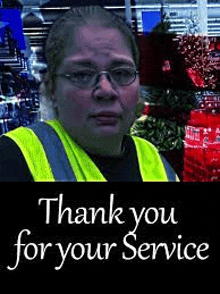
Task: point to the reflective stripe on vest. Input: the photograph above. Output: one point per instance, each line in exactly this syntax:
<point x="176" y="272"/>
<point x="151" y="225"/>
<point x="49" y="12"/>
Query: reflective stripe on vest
<point x="170" y="172"/>
<point x="55" y="152"/>
<point x="52" y="155"/>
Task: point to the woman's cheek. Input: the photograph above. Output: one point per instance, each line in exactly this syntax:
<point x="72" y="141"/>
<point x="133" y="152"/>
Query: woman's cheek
<point x="80" y="98"/>
<point x="130" y="98"/>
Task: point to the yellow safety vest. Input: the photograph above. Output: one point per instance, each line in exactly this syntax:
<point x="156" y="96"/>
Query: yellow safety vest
<point x="52" y="155"/>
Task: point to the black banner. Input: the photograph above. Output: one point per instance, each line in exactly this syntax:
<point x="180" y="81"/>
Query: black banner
<point x="78" y="237"/>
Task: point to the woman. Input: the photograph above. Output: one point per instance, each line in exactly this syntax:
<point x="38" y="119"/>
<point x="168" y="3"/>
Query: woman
<point x="93" y="83"/>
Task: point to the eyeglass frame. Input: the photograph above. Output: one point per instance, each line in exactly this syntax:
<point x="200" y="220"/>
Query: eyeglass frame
<point x="97" y="75"/>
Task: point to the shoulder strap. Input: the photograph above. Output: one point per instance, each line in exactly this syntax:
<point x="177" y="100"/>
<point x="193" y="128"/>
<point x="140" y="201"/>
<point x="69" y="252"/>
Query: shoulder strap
<point x="172" y="176"/>
<point x="152" y="166"/>
<point x="55" y="152"/>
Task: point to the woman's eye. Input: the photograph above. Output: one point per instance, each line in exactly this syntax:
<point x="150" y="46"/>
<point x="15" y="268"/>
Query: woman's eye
<point x="82" y="75"/>
<point x="122" y="72"/>
<point x="118" y="72"/>
<point x="122" y="75"/>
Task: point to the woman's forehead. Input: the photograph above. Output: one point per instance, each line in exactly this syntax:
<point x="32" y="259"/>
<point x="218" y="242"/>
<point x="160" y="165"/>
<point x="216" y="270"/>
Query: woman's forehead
<point x="97" y="43"/>
<point x="114" y="60"/>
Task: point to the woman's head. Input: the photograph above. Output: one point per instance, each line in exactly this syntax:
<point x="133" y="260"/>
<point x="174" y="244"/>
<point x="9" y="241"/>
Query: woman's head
<point x="90" y="43"/>
<point x="73" y="20"/>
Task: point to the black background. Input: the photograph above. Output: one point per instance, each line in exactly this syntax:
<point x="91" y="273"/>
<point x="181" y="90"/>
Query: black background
<point x="198" y="222"/>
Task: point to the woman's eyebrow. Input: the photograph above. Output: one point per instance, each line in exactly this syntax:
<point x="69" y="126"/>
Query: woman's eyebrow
<point x="89" y="63"/>
<point x="117" y="63"/>
<point x="86" y="63"/>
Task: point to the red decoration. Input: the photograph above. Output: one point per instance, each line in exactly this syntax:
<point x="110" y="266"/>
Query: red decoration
<point x="202" y="59"/>
<point x="196" y="77"/>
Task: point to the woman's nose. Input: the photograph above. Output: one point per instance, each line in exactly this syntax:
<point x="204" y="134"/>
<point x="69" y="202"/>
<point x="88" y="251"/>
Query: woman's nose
<point x="104" y="89"/>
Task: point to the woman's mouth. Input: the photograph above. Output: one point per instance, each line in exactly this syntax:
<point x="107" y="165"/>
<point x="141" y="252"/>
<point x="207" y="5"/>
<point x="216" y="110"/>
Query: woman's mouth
<point x="107" y="118"/>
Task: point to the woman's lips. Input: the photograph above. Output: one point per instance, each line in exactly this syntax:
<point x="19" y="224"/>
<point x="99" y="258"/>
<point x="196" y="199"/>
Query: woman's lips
<point x="107" y="118"/>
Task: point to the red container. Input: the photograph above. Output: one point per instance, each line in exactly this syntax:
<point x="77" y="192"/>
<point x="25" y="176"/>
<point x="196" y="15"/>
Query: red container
<point x="202" y="147"/>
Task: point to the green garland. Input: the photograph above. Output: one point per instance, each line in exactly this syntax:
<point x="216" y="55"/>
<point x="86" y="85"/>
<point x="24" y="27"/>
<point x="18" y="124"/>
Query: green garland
<point x="175" y="99"/>
<point x="166" y="135"/>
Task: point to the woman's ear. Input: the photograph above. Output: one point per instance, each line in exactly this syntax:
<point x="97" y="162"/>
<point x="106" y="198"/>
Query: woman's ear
<point x="53" y="97"/>
<point x="49" y="86"/>
<point x="48" y="92"/>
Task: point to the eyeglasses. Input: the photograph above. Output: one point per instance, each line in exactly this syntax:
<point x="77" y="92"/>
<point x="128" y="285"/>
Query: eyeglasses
<point x="89" y="78"/>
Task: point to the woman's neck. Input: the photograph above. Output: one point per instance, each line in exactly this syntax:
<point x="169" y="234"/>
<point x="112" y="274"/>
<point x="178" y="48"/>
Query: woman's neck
<point x="111" y="148"/>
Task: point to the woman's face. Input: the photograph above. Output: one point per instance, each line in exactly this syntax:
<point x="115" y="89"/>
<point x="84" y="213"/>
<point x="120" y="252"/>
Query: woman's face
<point x="105" y="110"/>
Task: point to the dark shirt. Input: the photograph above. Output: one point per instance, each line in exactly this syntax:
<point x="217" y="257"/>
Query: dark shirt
<point x="120" y="169"/>
<point x="13" y="167"/>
